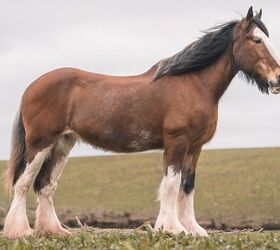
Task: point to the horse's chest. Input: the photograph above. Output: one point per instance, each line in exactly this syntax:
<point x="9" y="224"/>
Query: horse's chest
<point x="209" y="131"/>
<point x="205" y="131"/>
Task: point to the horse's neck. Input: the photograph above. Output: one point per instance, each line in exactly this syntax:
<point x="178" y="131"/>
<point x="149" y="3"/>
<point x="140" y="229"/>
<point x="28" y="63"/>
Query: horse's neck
<point x="218" y="75"/>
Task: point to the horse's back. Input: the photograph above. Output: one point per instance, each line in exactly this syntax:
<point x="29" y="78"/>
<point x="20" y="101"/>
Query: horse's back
<point x="89" y="104"/>
<point x="55" y="88"/>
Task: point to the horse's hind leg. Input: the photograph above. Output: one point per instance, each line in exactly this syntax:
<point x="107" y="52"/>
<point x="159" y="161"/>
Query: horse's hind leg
<point x="16" y="222"/>
<point x="45" y="183"/>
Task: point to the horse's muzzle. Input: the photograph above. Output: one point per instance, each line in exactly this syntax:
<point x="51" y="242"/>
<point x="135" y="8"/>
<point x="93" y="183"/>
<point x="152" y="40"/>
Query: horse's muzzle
<point x="274" y="86"/>
<point x="274" y="89"/>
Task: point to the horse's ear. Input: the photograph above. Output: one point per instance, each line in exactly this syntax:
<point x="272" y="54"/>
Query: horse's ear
<point x="250" y="14"/>
<point x="259" y="15"/>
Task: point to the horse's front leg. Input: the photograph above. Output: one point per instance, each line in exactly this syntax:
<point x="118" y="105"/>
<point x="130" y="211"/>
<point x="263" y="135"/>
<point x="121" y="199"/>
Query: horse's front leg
<point x="175" y="150"/>
<point x="185" y="200"/>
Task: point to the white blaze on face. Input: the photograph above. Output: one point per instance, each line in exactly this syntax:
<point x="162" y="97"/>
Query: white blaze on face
<point x="260" y="34"/>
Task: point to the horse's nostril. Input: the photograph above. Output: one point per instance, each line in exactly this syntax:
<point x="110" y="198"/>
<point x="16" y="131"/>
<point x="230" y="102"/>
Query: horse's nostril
<point x="275" y="84"/>
<point x="271" y="83"/>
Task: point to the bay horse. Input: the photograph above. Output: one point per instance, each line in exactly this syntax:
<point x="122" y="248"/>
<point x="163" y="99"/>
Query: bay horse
<point x="173" y="106"/>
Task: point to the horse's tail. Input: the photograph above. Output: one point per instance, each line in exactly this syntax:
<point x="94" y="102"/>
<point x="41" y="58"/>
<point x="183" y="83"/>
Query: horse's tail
<point x="16" y="164"/>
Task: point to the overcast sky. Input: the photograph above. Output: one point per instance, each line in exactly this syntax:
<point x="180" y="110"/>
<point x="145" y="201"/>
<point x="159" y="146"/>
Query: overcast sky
<point x="123" y="38"/>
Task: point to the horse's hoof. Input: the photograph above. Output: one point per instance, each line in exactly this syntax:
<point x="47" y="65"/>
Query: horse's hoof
<point x="16" y="234"/>
<point x="196" y="230"/>
<point x="58" y="231"/>
<point x="174" y="228"/>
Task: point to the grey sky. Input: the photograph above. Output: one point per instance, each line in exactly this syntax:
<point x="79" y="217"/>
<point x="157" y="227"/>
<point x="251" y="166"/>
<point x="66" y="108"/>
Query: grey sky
<point x="122" y="38"/>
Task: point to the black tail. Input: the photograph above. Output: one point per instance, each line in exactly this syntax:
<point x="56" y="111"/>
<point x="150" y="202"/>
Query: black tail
<point x="16" y="164"/>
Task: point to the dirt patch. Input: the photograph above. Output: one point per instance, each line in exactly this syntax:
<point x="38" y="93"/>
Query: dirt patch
<point x="103" y="219"/>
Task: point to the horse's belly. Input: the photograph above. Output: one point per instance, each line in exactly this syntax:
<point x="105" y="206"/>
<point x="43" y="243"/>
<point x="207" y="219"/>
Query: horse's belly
<point x="145" y="140"/>
<point x="125" y="141"/>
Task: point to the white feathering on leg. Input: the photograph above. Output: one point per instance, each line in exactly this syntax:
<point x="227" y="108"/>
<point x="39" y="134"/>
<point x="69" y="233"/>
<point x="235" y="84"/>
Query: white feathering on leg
<point x="17" y="212"/>
<point x="187" y="216"/>
<point x="168" y="195"/>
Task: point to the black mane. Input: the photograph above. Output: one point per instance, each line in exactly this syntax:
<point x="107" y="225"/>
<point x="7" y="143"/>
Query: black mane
<point x="204" y="51"/>
<point x="200" y="53"/>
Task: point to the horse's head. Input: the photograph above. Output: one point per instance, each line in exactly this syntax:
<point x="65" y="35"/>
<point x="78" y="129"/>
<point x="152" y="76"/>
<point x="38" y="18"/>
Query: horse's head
<point x="254" y="54"/>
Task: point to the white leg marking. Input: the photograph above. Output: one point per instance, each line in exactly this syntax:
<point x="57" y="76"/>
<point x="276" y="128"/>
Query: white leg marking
<point x="168" y="196"/>
<point x="187" y="216"/>
<point x="47" y="222"/>
<point x="16" y="222"/>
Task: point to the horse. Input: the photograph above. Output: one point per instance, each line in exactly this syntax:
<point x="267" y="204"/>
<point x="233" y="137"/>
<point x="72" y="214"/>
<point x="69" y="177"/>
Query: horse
<point x="173" y="106"/>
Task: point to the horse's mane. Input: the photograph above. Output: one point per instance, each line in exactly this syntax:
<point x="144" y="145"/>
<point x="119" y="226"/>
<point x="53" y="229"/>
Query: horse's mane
<point x="202" y="52"/>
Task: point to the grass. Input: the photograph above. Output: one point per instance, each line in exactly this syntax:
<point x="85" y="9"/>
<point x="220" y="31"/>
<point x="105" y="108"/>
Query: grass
<point x="237" y="187"/>
<point x="148" y="240"/>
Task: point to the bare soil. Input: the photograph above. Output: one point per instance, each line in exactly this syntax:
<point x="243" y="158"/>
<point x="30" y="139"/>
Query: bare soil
<point x="103" y="219"/>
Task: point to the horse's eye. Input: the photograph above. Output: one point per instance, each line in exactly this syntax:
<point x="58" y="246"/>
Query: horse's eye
<point x="257" y="40"/>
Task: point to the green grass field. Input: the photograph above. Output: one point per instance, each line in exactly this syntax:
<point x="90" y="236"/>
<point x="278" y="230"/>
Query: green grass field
<point x="92" y="239"/>
<point x="234" y="188"/>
